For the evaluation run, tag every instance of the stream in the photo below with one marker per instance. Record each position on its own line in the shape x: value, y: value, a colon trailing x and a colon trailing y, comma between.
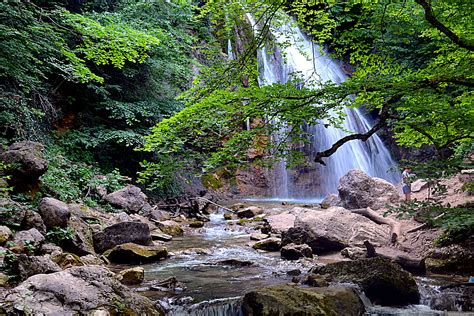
x: 215, y: 267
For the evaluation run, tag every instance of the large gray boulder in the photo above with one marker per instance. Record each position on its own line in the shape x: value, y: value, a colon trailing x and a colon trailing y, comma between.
x: 334, y: 229
x: 121, y: 233
x: 130, y: 199
x: 26, y: 164
x: 293, y: 300
x: 359, y: 190
x: 77, y: 290
x: 54, y: 213
x: 31, y: 265
x: 384, y: 282
x: 81, y: 242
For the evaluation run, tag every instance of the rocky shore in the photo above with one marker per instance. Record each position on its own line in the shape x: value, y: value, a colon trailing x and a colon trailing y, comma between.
x: 58, y: 257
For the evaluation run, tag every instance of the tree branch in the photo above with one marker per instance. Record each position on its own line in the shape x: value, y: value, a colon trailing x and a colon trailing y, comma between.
x: 431, y: 18
x: 384, y: 115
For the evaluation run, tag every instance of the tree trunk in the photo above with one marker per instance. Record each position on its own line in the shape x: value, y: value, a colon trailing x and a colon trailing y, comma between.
x: 395, y: 226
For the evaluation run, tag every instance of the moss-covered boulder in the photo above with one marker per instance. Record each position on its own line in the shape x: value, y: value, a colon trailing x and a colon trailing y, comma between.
x: 293, y: 300
x: 136, y: 254
x: 383, y: 281
x: 132, y: 276
x: 268, y: 244
x: 453, y: 259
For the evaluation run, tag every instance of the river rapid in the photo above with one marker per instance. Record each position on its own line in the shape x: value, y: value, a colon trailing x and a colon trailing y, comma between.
x: 215, y: 267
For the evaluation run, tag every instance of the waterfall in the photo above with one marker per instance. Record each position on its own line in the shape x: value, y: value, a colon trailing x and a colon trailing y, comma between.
x: 296, y: 54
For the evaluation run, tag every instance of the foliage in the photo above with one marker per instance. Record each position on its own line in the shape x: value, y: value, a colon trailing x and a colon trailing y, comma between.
x: 9, y: 266
x: 78, y: 179
x: 59, y: 235
x: 4, y: 187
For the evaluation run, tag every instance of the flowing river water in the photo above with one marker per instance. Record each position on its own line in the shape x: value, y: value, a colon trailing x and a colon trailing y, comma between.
x: 216, y: 267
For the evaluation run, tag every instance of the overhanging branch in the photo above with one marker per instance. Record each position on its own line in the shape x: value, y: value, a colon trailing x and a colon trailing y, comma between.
x: 384, y: 115
x: 431, y: 18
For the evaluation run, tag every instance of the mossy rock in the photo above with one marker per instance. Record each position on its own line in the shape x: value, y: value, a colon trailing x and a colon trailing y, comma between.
x: 196, y: 224
x: 294, y: 300
x: 383, y: 281
x: 131, y: 253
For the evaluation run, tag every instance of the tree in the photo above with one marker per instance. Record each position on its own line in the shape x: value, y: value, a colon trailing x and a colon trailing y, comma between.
x: 413, y: 67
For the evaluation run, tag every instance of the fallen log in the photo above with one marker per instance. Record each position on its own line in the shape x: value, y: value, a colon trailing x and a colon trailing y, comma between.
x: 395, y: 226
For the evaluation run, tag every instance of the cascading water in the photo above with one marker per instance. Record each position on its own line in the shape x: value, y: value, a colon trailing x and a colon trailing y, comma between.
x: 297, y: 55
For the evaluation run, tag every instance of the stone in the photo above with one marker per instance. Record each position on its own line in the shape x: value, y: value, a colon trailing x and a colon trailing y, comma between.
x: 3, y: 280
x: 158, y: 235
x: 13, y: 213
x: 278, y: 223
x: 171, y: 228
x: 26, y: 164
x: 158, y: 215
x: 333, y: 230
x: 54, y: 212
x: 228, y: 216
x: 269, y: 244
x: 130, y: 253
x: 453, y: 259
x: 294, y: 252
x: 82, y: 242
x: 235, y: 263
x: 132, y: 276
x: 121, y: 233
x: 31, y: 265
x: 359, y: 190
x: 5, y: 234
x: 249, y: 212
x: 330, y: 200
x: 130, y: 199
x: 315, y: 280
x: 196, y: 224
x: 75, y: 291
x: 293, y: 300
x: 91, y: 260
x: 383, y: 282
x: 66, y: 260
x: 354, y: 253
x: 29, y: 237
x: 50, y: 248
x: 419, y: 185
x: 257, y: 236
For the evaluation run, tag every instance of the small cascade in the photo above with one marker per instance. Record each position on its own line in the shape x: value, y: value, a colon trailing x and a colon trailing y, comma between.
x: 296, y: 55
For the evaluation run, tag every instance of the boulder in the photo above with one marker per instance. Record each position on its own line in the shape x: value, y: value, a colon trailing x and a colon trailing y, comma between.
x: 294, y: 252
x: 453, y: 259
x: 13, y: 214
x: 26, y: 164
x: 91, y: 260
x: 315, y: 280
x: 257, y: 236
x: 5, y: 234
x: 132, y: 276
x: 3, y: 281
x: 130, y: 253
x: 121, y: 233
x: 29, y: 237
x: 170, y: 227
x: 330, y: 200
x: 334, y: 229
x: 54, y: 212
x: 31, y: 265
x: 249, y: 212
x: 383, y: 282
x: 78, y: 290
x: 419, y: 185
x: 158, y: 235
x: 82, y: 242
x: 196, y: 224
x: 278, y: 223
x: 359, y: 190
x: 354, y: 253
x: 269, y: 244
x: 130, y: 199
x: 50, y: 248
x: 158, y: 215
x: 293, y: 300
x: 228, y: 216
x: 66, y: 260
